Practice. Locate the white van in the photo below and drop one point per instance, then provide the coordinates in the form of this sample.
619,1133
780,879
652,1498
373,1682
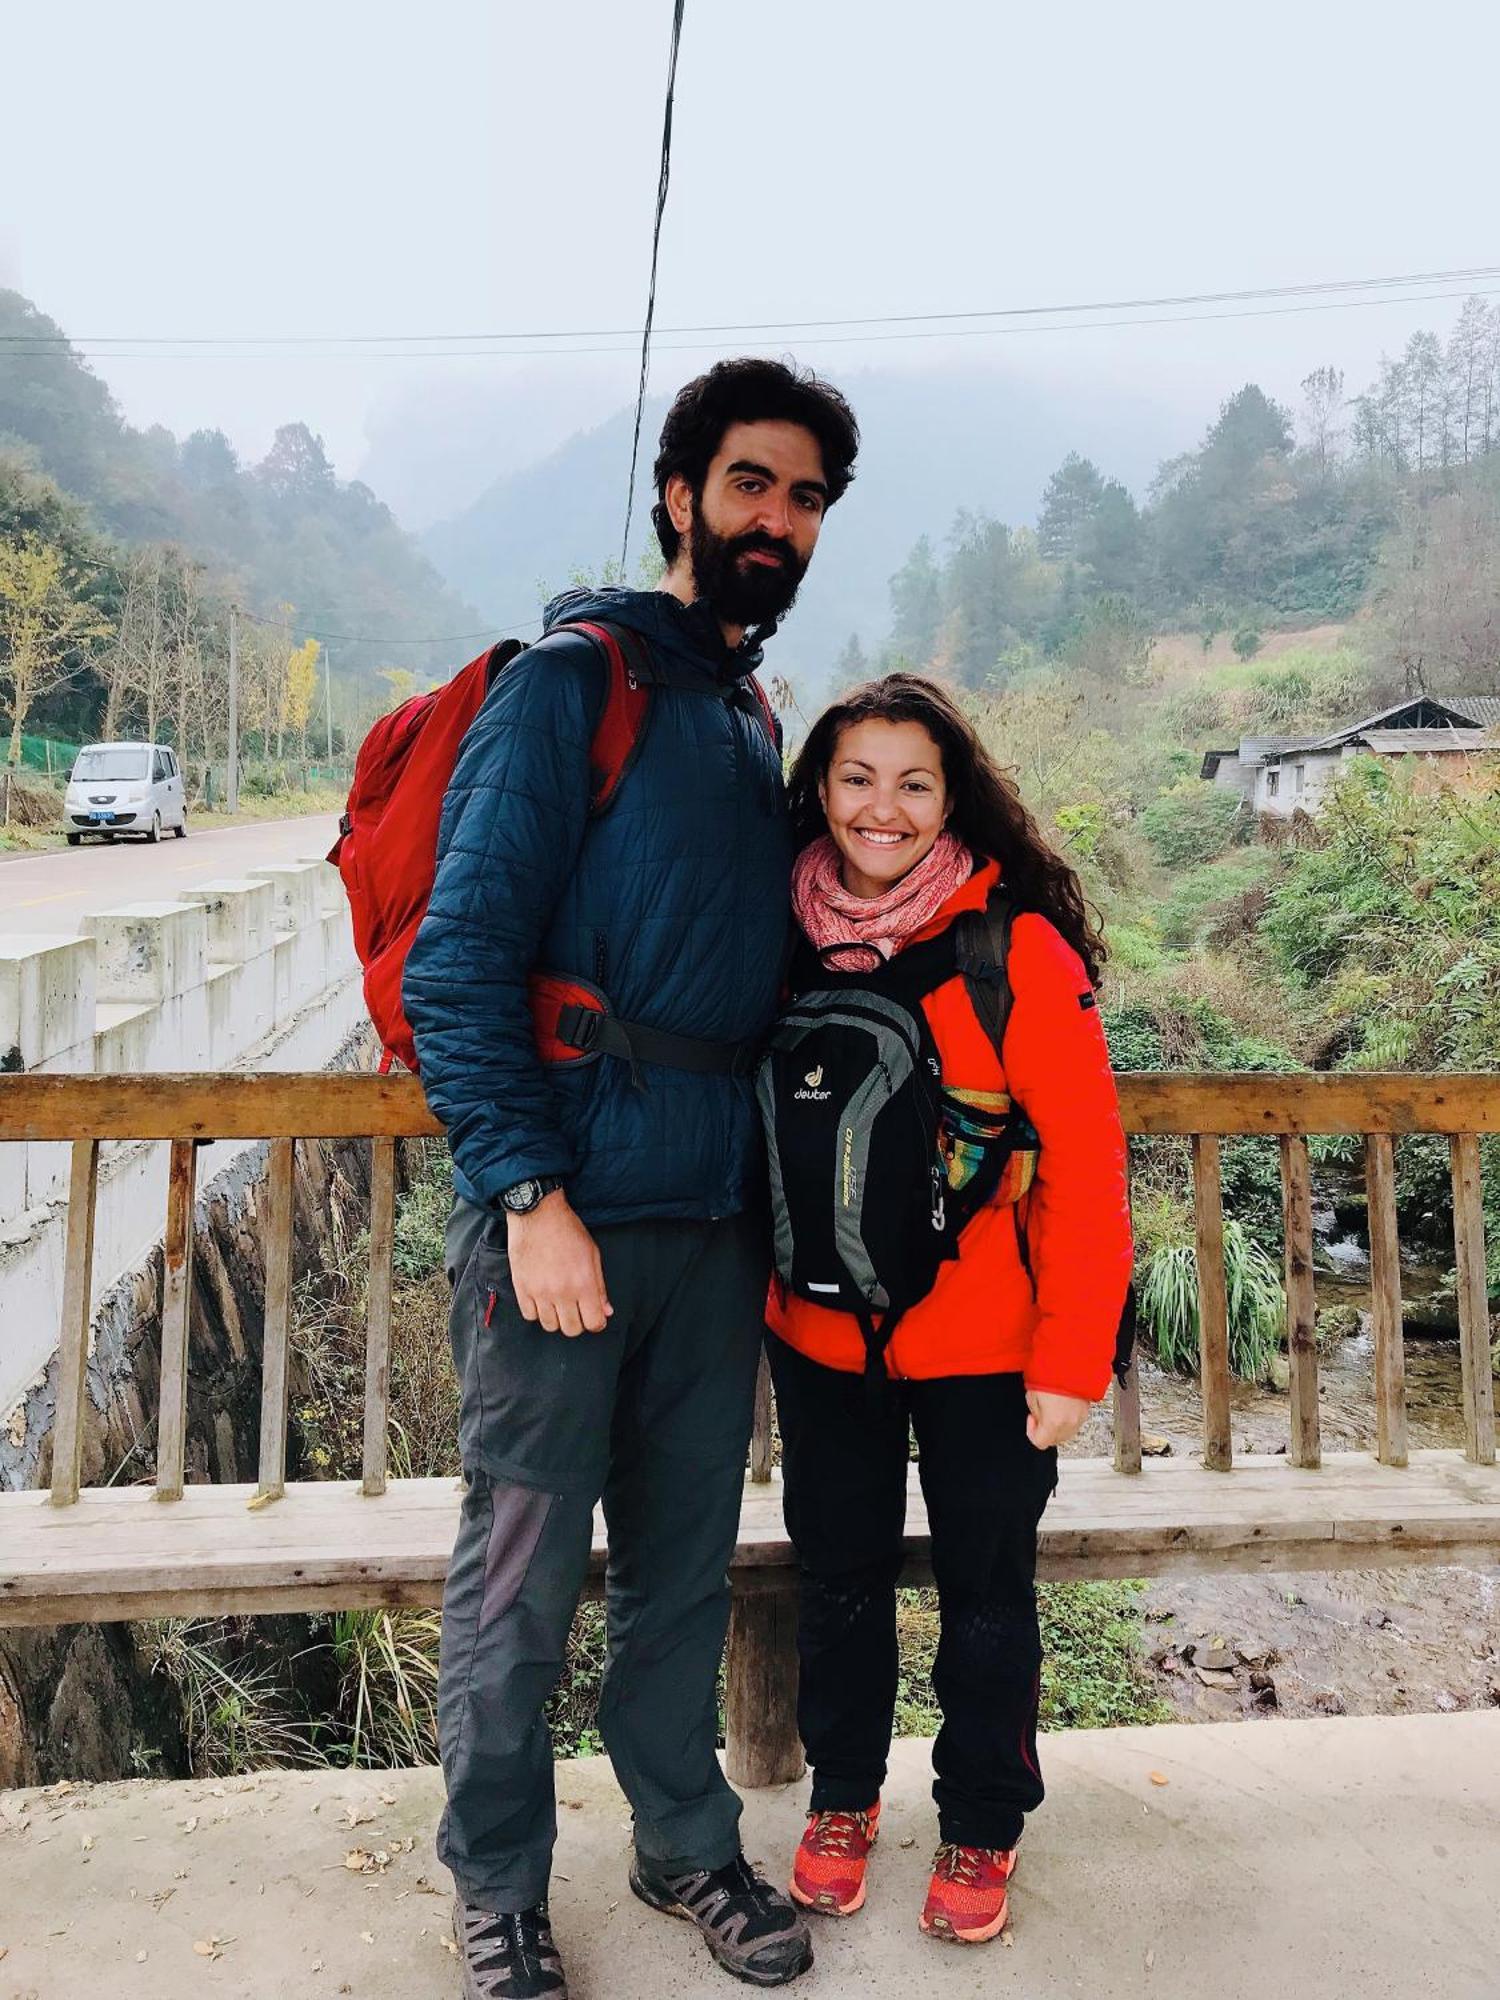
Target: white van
125,788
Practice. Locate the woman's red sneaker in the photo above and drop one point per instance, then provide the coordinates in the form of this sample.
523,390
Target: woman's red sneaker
828,1875
966,1898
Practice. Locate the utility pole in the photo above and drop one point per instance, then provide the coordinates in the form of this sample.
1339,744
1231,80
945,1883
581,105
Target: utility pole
328,696
232,789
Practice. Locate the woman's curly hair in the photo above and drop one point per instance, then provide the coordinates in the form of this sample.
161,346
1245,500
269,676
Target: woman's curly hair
986,810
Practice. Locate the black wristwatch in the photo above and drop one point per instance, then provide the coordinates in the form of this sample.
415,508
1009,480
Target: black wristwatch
527,1195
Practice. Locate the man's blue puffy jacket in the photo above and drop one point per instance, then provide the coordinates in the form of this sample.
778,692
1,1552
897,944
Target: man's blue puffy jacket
675,902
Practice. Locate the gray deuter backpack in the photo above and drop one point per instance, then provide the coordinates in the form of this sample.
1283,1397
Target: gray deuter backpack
876,1166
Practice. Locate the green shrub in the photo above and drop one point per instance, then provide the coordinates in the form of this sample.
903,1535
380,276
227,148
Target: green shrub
1191,822
1246,643
1134,948
1168,1300
1203,895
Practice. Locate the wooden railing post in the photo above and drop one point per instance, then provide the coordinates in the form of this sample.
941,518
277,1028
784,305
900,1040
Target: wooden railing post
1473,1301
1385,1299
761,1744
1125,1396
278,1320
176,1307
1213,1303
1127,1415
378,1314
73,1344
760,1429
1305,1447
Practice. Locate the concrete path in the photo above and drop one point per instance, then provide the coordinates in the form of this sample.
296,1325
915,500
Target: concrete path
1311,1860
48,893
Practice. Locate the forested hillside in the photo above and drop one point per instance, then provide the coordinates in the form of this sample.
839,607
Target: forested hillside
121,549
1384,503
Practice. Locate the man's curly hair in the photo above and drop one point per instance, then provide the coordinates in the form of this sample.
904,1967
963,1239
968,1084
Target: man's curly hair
749,391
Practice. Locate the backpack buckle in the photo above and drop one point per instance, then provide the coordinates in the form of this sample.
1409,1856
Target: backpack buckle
579,1026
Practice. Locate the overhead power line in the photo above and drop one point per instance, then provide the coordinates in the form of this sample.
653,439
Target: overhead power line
401,342
663,179
298,625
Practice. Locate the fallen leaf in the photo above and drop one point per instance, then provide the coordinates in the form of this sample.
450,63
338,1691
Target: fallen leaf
205,1949
190,1825
1160,1778
317,1965
1150,1960
910,1840
368,1936
258,1500
140,1958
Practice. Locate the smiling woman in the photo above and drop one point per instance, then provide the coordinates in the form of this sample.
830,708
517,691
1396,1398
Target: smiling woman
885,802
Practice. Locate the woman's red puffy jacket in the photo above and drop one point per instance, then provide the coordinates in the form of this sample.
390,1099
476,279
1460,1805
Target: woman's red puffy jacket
982,1316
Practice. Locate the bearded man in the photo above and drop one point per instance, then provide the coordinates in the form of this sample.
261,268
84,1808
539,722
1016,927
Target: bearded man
608,1250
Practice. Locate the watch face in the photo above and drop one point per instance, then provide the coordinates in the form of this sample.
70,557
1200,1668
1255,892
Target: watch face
523,1196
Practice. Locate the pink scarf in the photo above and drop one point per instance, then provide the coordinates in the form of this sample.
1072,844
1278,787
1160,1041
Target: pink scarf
866,929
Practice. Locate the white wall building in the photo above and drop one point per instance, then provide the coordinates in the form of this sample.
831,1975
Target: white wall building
1282,775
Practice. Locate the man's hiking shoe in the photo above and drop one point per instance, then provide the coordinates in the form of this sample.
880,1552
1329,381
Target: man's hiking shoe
508,1957
966,1899
828,1874
751,1928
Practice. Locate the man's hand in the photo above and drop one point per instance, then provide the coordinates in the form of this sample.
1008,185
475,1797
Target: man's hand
556,1270
1054,1419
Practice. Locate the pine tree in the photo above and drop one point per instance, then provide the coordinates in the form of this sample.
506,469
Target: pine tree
1073,492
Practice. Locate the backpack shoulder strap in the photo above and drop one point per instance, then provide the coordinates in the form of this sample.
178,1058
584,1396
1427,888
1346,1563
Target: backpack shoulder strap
768,714
982,946
621,727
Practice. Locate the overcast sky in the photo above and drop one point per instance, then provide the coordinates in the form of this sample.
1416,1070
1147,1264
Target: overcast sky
330,168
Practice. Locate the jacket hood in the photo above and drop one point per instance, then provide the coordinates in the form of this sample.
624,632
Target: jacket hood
689,631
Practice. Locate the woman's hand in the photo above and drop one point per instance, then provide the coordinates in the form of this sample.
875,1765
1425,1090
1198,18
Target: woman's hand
1054,1419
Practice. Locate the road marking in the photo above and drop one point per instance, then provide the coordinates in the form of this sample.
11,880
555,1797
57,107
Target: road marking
63,896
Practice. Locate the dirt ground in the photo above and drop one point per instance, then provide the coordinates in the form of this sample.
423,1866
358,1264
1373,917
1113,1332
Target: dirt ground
1358,1642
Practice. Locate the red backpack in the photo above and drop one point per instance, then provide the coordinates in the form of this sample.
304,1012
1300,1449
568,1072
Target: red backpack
386,851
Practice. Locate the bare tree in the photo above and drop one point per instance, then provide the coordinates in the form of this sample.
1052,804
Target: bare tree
140,672
1467,366
1437,596
1322,416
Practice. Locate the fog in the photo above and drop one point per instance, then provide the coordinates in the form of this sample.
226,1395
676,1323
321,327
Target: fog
354,171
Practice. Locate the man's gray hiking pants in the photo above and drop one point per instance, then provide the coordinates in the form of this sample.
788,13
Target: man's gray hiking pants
654,1416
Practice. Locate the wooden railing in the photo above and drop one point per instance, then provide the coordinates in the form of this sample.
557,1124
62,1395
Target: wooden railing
1377,1109
187,1110
97,1553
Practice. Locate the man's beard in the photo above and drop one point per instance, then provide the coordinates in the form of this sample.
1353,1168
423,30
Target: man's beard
738,592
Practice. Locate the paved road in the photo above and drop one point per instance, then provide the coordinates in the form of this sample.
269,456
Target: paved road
50,892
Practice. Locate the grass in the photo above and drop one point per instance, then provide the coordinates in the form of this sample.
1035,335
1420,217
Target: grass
1094,1673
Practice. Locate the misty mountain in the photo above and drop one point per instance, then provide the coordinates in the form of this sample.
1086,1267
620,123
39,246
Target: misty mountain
284,536
933,444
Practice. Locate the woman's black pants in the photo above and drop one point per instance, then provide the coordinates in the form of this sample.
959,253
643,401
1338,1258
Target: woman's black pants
845,1459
